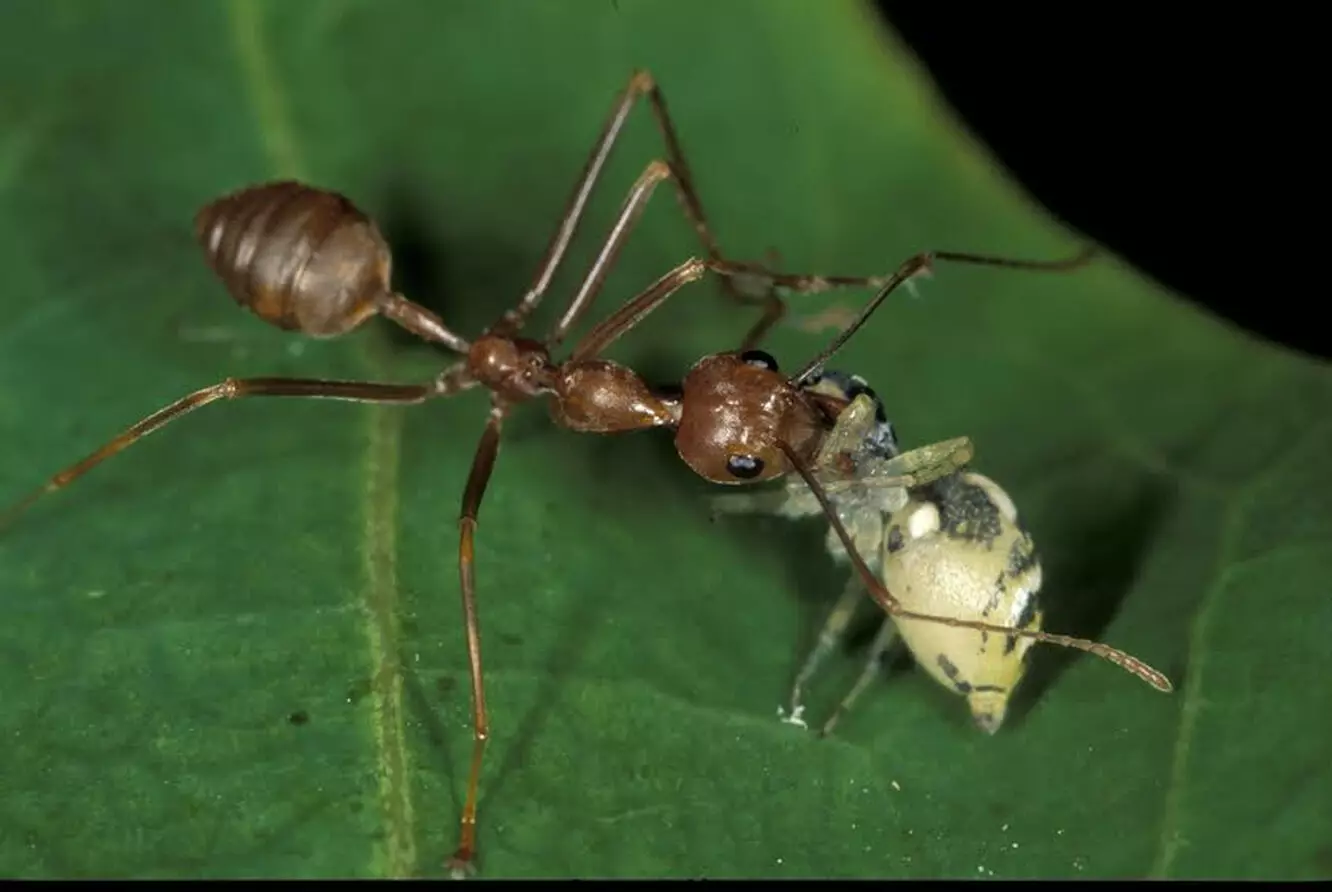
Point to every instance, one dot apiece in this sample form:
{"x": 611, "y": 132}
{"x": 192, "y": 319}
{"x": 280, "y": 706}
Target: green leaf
{"x": 235, "y": 650}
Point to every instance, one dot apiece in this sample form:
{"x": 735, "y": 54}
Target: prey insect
{"x": 942, "y": 537}
{"x": 307, "y": 260}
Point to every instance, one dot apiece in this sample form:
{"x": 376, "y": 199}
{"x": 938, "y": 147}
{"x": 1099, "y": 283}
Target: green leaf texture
{"x": 236, "y": 649}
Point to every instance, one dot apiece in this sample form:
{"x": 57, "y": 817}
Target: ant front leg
{"x": 231, "y": 389}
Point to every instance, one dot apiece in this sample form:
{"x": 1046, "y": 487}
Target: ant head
{"x": 735, "y": 410}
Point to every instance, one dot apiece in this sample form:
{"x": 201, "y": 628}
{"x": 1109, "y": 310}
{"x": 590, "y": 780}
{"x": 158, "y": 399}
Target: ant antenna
{"x": 893, "y": 607}
{"x": 923, "y": 263}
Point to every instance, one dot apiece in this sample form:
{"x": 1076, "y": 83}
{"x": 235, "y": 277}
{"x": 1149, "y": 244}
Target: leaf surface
{"x": 235, "y": 650}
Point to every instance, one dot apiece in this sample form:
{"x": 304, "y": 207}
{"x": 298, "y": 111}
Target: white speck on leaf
{"x": 895, "y": 786}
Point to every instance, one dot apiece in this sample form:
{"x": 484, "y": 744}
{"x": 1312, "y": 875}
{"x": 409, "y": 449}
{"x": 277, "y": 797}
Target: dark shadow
{"x": 559, "y": 662}
{"x": 443, "y": 269}
{"x": 1091, "y": 560}
{"x": 425, "y": 700}
{"x": 815, "y": 583}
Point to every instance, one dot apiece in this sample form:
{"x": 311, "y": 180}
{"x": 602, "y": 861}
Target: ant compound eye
{"x": 746, "y": 467}
{"x": 760, "y": 359}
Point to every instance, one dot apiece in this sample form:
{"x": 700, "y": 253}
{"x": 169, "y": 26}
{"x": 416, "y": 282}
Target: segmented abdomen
{"x": 304, "y": 259}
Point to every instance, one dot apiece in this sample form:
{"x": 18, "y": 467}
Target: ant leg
{"x": 893, "y": 607}
{"x": 230, "y": 389}
{"x": 773, "y": 307}
{"x": 829, "y": 636}
{"x": 754, "y": 283}
{"x": 760, "y": 278}
{"x": 624, "y": 318}
{"x": 605, "y": 332}
{"x": 462, "y": 862}
{"x": 882, "y": 645}
{"x": 924, "y": 263}
{"x": 640, "y": 84}
{"x": 629, "y": 215}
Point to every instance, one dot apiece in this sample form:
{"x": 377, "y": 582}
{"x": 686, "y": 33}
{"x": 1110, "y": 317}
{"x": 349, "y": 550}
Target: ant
{"x": 308, "y": 260}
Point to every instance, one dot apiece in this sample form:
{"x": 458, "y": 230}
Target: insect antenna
{"x": 893, "y": 607}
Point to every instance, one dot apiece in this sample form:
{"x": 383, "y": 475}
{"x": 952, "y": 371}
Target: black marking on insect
{"x": 882, "y": 440}
{"x": 895, "y": 541}
{"x": 965, "y": 510}
{"x": 949, "y": 669}
{"x": 1021, "y": 557}
{"x": 1025, "y": 619}
{"x": 1000, "y": 589}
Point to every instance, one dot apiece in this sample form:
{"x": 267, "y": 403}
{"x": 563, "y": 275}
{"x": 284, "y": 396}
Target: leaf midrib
{"x": 379, "y": 595}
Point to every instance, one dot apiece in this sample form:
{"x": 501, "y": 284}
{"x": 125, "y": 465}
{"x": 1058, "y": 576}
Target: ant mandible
{"x": 307, "y": 260}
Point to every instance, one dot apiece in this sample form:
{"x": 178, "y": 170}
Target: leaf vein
{"x": 1171, "y": 840}
{"x": 379, "y": 598}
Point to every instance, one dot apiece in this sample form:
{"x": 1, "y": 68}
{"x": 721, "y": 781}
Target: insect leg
{"x": 766, "y": 501}
{"x": 625, "y": 221}
{"x": 923, "y": 263}
{"x": 230, "y": 389}
{"x": 829, "y": 636}
{"x": 882, "y": 645}
{"x": 633, "y": 311}
{"x": 462, "y": 862}
{"x": 640, "y": 84}
{"x": 757, "y": 278}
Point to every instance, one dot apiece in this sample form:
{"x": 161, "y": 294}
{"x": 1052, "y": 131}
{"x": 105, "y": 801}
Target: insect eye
{"x": 746, "y": 467}
{"x": 759, "y": 358}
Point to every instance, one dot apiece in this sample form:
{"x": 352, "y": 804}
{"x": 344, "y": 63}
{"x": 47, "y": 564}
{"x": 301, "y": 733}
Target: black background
{"x": 1173, "y": 140}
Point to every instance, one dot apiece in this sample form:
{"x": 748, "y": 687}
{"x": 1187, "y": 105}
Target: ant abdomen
{"x": 302, "y": 258}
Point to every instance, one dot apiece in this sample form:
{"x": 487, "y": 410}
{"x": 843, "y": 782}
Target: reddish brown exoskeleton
{"x": 307, "y": 260}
